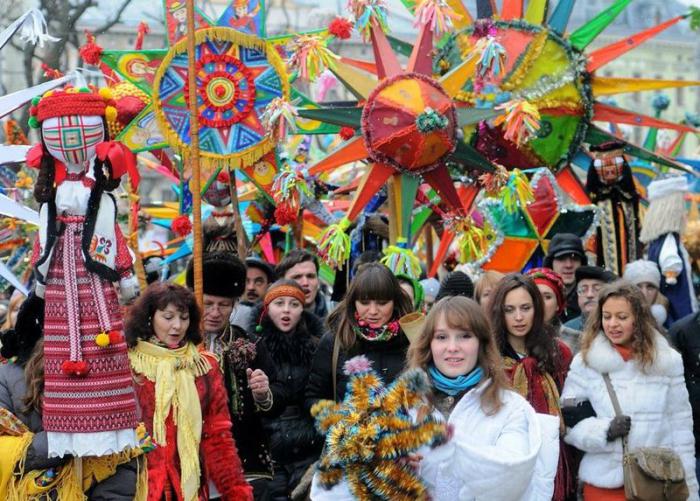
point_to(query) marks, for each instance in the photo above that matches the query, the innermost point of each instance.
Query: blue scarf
(453, 386)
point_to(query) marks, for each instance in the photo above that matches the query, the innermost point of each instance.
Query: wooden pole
(194, 157)
(241, 237)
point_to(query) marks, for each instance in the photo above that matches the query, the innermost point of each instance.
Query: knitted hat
(431, 287)
(456, 283)
(254, 262)
(551, 279)
(563, 244)
(283, 289)
(641, 271)
(223, 275)
(595, 273)
(661, 188)
(71, 101)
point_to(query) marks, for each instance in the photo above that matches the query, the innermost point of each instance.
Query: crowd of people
(521, 366)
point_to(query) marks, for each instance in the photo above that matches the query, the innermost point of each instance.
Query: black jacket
(119, 487)
(685, 337)
(572, 309)
(388, 359)
(292, 434)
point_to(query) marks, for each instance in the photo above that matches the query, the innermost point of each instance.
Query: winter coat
(511, 455)
(388, 358)
(219, 460)
(13, 388)
(685, 336)
(292, 434)
(656, 401)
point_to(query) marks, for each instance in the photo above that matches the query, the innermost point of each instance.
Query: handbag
(650, 473)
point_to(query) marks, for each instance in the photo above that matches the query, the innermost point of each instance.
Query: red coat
(218, 456)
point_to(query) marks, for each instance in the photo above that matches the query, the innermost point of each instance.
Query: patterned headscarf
(551, 279)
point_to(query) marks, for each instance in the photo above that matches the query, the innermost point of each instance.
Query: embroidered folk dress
(95, 414)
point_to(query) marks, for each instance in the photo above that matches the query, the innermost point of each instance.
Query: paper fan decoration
(524, 62)
(522, 236)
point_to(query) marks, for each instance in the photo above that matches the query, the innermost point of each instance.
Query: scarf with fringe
(174, 372)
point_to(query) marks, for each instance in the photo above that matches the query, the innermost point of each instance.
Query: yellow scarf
(174, 372)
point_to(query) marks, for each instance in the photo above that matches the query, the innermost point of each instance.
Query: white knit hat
(642, 271)
(661, 188)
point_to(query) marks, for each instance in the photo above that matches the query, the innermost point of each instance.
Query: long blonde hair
(16, 300)
(644, 323)
(463, 313)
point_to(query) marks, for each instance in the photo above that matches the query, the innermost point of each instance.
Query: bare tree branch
(117, 17)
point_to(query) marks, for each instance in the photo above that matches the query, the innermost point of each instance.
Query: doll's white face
(73, 139)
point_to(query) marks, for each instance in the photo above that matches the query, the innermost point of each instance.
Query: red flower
(181, 225)
(346, 133)
(340, 28)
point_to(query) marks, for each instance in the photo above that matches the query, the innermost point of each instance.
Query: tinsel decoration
(367, 12)
(287, 189)
(472, 241)
(279, 115)
(436, 13)
(517, 191)
(334, 244)
(310, 56)
(181, 225)
(521, 120)
(373, 429)
(492, 57)
(401, 261)
(430, 120)
(493, 182)
(340, 28)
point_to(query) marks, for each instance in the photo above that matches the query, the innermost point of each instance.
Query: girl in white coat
(500, 450)
(647, 376)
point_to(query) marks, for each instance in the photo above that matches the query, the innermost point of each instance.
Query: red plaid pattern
(72, 139)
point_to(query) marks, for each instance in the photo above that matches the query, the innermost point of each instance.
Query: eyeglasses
(585, 289)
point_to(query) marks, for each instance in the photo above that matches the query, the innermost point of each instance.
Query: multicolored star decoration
(240, 71)
(519, 237)
(509, 86)
(372, 429)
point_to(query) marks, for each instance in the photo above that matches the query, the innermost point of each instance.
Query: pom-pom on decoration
(401, 261)
(102, 340)
(340, 28)
(517, 191)
(279, 115)
(310, 56)
(372, 429)
(286, 214)
(435, 13)
(287, 190)
(492, 57)
(115, 337)
(91, 52)
(78, 368)
(181, 225)
(346, 133)
(223, 176)
(334, 245)
(521, 120)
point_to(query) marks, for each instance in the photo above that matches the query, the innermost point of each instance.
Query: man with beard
(589, 281)
(259, 276)
(302, 267)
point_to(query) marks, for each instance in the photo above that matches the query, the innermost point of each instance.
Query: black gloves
(619, 427)
(574, 414)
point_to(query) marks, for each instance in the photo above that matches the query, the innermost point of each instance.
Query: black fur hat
(20, 341)
(223, 274)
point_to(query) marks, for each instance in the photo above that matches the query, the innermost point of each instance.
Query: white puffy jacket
(656, 401)
(509, 456)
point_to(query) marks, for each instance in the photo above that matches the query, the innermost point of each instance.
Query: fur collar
(603, 357)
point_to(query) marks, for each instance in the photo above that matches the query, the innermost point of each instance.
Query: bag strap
(615, 403)
(334, 365)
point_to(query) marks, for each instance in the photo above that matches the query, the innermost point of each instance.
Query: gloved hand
(128, 289)
(574, 414)
(619, 427)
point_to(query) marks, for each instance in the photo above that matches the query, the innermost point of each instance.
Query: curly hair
(644, 323)
(463, 313)
(373, 281)
(157, 296)
(541, 340)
